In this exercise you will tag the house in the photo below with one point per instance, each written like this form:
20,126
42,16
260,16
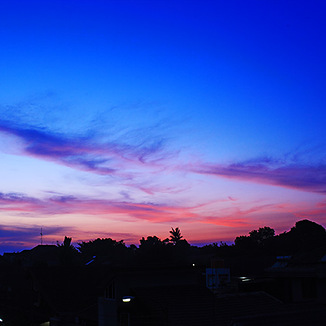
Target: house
301,277
217,276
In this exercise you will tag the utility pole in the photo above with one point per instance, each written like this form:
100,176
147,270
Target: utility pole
41,236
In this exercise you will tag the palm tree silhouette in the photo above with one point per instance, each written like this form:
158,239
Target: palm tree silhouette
175,235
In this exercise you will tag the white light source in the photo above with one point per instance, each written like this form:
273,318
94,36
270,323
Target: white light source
245,279
127,299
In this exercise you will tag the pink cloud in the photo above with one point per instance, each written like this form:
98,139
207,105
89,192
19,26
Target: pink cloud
71,205
236,219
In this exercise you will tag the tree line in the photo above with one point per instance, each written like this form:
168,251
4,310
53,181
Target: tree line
259,245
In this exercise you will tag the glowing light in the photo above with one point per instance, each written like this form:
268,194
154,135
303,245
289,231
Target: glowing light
127,299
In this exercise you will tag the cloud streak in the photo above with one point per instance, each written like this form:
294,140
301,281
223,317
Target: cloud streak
304,177
111,209
87,153
123,159
131,211
19,203
55,205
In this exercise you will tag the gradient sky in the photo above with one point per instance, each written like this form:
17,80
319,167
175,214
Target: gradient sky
125,118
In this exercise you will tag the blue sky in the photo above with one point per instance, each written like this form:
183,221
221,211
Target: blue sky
125,118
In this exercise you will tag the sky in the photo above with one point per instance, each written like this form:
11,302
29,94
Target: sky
124,118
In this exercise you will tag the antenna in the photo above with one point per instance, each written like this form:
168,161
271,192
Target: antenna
41,236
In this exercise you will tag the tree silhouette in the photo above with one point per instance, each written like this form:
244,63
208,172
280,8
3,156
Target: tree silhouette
102,247
243,241
175,235
262,234
66,243
305,235
67,251
150,242
256,239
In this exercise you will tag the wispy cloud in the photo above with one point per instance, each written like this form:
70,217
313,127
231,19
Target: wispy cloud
316,211
236,216
88,152
111,209
292,175
107,208
19,203
131,211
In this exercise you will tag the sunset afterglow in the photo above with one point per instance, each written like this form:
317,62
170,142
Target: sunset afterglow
123,119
